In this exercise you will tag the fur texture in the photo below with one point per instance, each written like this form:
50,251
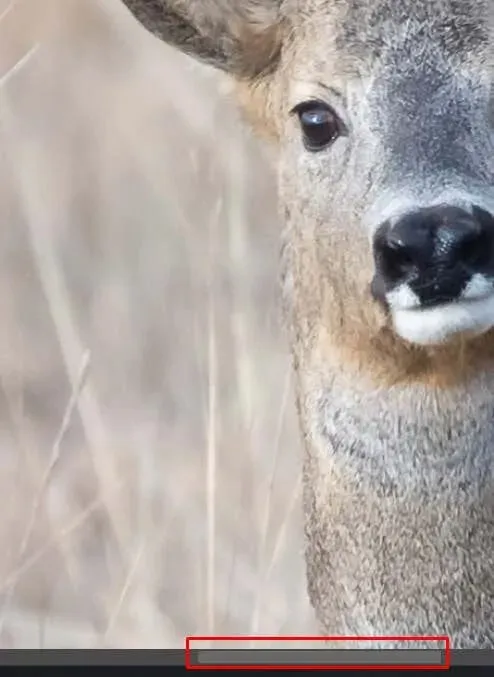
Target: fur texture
399,437
238,37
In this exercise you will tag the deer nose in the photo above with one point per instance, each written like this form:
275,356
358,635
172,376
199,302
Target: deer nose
435,250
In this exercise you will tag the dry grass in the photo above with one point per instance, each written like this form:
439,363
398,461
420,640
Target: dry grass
149,452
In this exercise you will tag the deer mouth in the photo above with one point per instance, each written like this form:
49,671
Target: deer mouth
442,322
438,317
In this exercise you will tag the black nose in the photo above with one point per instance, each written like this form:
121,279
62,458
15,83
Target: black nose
435,250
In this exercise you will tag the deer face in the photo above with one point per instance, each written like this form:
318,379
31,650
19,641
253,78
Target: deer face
387,164
383,112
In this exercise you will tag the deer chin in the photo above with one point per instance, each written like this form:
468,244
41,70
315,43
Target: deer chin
440,324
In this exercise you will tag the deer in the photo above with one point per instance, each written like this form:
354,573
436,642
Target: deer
381,116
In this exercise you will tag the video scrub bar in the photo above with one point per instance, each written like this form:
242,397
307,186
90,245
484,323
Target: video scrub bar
312,657
207,658
203,653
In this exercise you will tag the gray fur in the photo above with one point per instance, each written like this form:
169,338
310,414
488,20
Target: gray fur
399,438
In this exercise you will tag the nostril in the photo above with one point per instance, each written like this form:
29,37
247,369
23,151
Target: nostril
475,249
393,259
468,250
398,255
403,247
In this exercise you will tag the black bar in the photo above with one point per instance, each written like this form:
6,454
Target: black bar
176,658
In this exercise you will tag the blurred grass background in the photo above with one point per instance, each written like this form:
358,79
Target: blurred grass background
148,445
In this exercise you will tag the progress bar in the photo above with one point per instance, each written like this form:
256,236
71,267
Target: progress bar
336,657
235,652
177,658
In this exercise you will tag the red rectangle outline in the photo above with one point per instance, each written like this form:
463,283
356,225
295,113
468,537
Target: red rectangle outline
319,638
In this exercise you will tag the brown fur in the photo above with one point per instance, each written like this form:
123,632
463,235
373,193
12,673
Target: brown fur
243,38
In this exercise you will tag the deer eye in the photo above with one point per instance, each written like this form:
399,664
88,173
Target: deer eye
320,124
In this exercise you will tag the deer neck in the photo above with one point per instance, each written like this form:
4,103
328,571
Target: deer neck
426,425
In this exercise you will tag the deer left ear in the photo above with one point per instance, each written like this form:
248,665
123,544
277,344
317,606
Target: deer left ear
241,37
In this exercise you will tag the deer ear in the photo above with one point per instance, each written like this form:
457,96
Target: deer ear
241,37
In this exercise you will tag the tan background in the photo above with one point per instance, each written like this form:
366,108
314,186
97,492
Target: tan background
149,456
